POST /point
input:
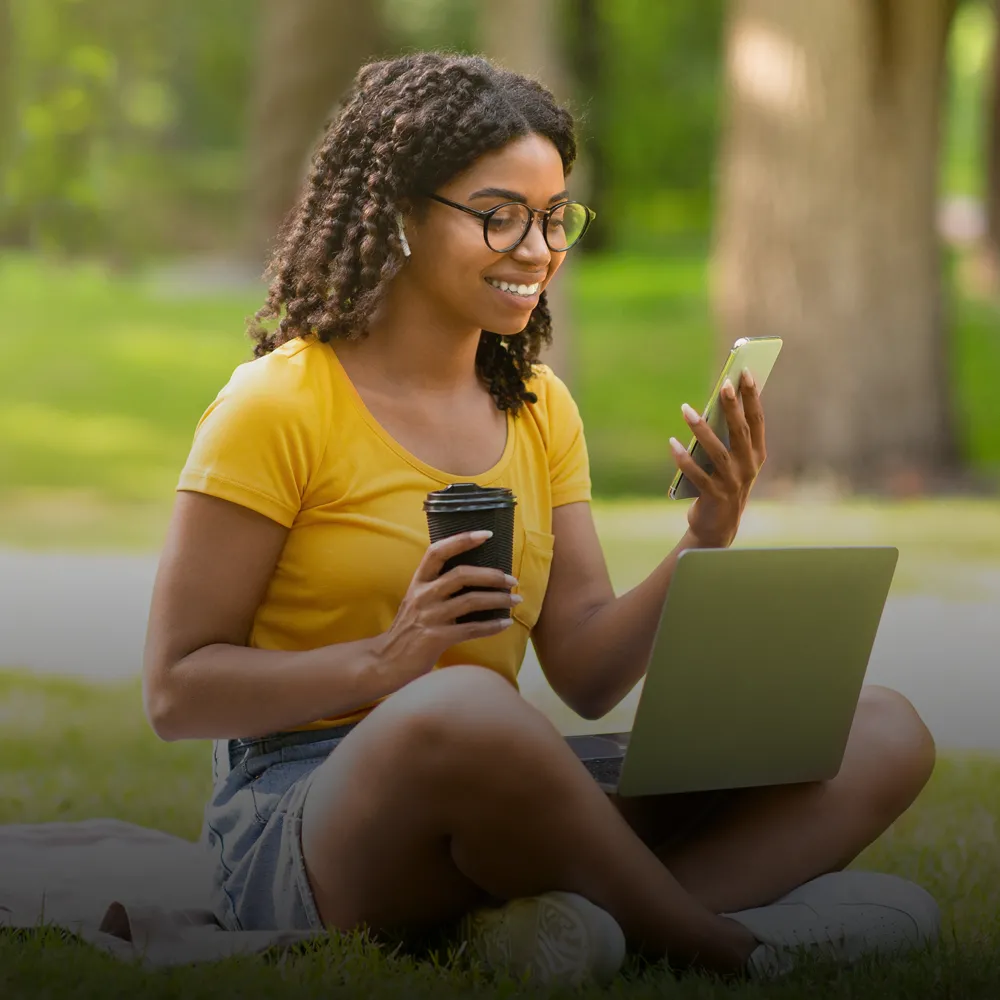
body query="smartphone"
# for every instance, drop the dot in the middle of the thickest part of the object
(759, 355)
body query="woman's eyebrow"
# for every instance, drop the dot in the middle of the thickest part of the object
(511, 195)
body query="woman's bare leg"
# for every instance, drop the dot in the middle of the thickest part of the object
(456, 790)
(767, 841)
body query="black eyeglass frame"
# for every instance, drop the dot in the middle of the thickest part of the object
(546, 214)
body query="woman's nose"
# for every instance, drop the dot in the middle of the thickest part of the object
(533, 249)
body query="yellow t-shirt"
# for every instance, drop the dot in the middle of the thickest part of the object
(290, 437)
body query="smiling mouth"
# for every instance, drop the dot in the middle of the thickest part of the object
(520, 291)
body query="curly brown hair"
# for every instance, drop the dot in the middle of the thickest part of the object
(406, 126)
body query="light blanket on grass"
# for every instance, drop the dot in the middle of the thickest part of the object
(138, 894)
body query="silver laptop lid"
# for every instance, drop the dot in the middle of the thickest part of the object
(757, 667)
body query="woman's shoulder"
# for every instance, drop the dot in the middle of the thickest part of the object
(554, 396)
(285, 391)
(290, 384)
(293, 372)
(263, 437)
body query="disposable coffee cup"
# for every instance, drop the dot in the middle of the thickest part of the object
(464, 507)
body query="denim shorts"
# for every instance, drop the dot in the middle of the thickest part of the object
(252, 828)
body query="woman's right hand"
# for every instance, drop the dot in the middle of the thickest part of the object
(425, 624)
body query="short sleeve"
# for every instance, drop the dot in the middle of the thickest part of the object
(257, 443)
(569, 461)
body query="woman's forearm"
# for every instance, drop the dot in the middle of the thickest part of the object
(611, 649)
(226, 691)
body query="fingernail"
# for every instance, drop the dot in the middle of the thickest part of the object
(516, 598)
(504, 622)
(690, 414)
(748, 378)
(679, 449)
(511, 580)
(727, 390)
(481, 534)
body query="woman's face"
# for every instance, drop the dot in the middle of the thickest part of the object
(450, 259)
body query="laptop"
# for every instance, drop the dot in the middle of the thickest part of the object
(755, 674)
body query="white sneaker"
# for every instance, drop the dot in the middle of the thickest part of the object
(559, 937)
(844, 916)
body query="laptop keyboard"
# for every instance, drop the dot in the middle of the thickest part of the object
(606, 770)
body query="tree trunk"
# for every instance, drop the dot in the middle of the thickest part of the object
(521, 35)
(826, 232)
(308, 54)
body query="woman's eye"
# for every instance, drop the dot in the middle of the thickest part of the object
(509, 219)
(501, 221)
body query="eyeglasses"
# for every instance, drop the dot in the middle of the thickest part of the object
(506, 225)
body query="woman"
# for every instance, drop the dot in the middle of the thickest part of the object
(297, 598)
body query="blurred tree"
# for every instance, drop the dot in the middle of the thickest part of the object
(661, 86)
(130, 134)
(431, 24)
(525, 36)
(111, 148)
(826, 232)
(7, 112)
(308, 53)
(587, 40)
(65, 79)
(992, 172)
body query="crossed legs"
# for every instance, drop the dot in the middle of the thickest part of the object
(759, 843)
(455, 792)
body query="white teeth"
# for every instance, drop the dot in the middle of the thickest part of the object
(506, 286)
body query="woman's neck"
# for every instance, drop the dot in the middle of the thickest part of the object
(411, 347)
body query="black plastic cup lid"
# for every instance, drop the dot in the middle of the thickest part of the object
(468, 496)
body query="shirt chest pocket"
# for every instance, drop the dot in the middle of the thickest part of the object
(533, 575)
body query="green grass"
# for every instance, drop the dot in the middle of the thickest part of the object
(947, 548)
(976, 362)
(645, 345)
(73, 751)
(103, 381)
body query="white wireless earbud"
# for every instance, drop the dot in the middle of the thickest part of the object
(402, 234)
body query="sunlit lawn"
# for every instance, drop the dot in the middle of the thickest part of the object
(103, 381)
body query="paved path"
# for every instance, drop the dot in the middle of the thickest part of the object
(85, 615)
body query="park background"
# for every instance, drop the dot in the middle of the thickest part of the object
(829, 172)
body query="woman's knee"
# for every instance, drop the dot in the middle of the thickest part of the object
(425, 740)
(899, 748)
(455, 718)
(455, 703)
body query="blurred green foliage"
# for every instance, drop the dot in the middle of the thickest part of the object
(128, 124)
(127, 120)
(970, 49)
(129, 133)
(663, 96)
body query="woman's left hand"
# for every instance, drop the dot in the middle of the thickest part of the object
(715, 516)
